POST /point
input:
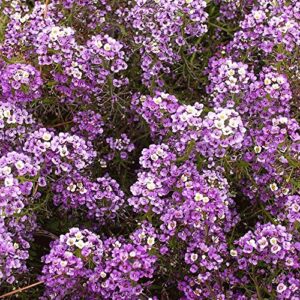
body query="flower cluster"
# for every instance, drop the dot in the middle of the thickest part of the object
(150, 149)
(109, 268)
(222, 128)
(15, 124)
(101, 199)
(161, 28)
(20, 83)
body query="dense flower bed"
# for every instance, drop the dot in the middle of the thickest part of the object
(150, 149)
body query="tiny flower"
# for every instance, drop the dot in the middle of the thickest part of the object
(205, 199)
(172, 225)
(263, 243)
(132, 254)
(63, 151)
(80, 244)
(295, 207)
(257, 149)
(273, 241)
(275, 249)
(78, 235)
(184, 178)
(6, 113)
(285, 191)
(157, 100)
(98, 43)
(151, 186)
(71, 187)
(194, 257)
(233, 253)
(107, 47)
(8, 181)
(198, 197)
(154, 157)
(150, 241)
(6, 170)
(230, 72)
(63, 263)
(281, 288)
(273, 187)
(71, 241)
(289, 262)
(19, 165)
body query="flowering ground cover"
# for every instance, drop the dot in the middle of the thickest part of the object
(150, 149)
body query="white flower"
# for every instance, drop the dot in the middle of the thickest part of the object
(80, 244)
(103, 274)
(219, 124)
(233, 253)
(263, 243)
(242, 71)
(198, 197)
(55, 32)
(295, 207)
(257, 15)
(6, 113)
(281, 288)
(76, 73)
(283, 120)
(273, 187)
(63, 263)
(9, 181)
(230, 72)
(68, 254)
(267, 81)
(280, 80)
(71, 187)
(227, 130)
(172, 225)
(19, 165)
(157, 100)
(252, 243)
(257, 149)
(205, 199)
(71, 241)
(143, 98)
(189, 184)
(150, 241)
(273, 241)
(151, 186)
(6, 170)
(160, 152)
(285, 191)
(154, 157)
(82, 190)
(194, 257)
(16, 246)
(63, 151)
(132, 254)
(98, 44)
(275, 249)
(234, 123)
(46, 136)
(184, 178)
(78, 235)
(107, 47)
